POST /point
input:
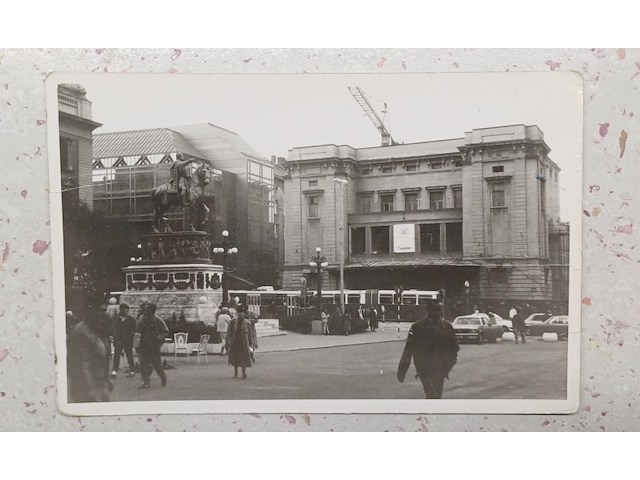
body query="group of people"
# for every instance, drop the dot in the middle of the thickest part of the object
(517, 323)
(90, 369)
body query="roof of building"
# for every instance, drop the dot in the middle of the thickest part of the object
(414, 262)
(141, 142)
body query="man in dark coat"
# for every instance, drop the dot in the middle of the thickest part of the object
(433, 346)
(519, 327)
(124, 328)
(89, 355)
(151, 332)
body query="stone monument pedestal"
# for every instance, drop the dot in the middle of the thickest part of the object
(177, 275)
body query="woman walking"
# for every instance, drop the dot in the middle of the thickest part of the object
(239, 343)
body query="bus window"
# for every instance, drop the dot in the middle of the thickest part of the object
(424, 299)
(353, 298)
(409, 299)
(330, 298)
(386, 299)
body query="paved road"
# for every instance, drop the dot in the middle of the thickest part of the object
(535, 370)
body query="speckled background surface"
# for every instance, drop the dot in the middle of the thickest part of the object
(610, 382)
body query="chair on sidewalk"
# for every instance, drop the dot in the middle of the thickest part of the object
(181, 345)
(201, 349)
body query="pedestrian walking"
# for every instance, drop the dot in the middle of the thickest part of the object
(150, 335)
(325, 322)
(239, 343)
(222, 326)
(88, 358)
(512, 312)
(432, 345)
(519, 327)
(123, 330)
(373, 319)
(346, 323)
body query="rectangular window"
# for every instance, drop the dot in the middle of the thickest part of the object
(436, 164)
(358, 245)
(313, 183)
(69, 153)
(410, 201)
(457, 198)
(498, 275)
(364, 203)
(436, 199)
(497, 169)
(411, 167)
(379, 240)
(387, 169)
(386, 299)
(430, 238)
(365, 171)
(498, 198)
(387, 202)
(454, 237)
(314, 207)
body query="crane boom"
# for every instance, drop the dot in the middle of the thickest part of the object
(362, 100)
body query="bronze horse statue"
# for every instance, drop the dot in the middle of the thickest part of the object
(165, 196)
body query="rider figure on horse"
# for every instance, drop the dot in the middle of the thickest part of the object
(180, 177)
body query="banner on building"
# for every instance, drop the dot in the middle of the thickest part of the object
(404, 238)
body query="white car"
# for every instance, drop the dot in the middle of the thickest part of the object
(495, 319)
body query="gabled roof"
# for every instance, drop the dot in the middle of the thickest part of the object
(141, 142)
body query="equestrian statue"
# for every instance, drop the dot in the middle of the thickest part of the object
(184, 191)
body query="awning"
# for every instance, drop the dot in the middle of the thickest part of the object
(416, 262)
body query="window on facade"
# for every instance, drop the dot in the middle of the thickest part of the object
(313, 183)
(68, 153)
(457, 198)
(365, 171)
(454, 237)
(430, 237)
(498, 198)
(387, 202)
(498, 275)
(364, 203)
(358, 246)
(436, 199)
(411, 167)
(379, 240)
(387, 169)
(436, 164)
(410, 201)
(497, 169)
(314, 207)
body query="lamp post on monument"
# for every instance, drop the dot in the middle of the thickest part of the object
(340, 203)
(225, 249)
(319, 263)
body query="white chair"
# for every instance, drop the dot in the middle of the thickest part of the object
(181, 345)
(201, 349)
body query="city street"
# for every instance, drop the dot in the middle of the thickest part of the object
(359, 366)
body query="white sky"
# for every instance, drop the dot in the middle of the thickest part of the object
(275, 113)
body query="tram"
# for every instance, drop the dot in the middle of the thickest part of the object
(412, 305)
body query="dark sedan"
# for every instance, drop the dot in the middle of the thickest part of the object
(557, 324)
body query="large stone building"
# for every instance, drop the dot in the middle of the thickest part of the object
(430, 215)
(76, 126)
(127, 166)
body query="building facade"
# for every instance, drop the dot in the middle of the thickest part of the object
(429, 215)
(127, 166)
(76, 126)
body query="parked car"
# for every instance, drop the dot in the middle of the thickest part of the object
(535, 318)
(556, 324)
(495, 319)
(476, 327)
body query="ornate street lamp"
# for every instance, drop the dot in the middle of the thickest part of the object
(466, 294)
(225, 249)
(319, 262)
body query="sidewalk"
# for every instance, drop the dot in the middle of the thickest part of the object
(296, 341)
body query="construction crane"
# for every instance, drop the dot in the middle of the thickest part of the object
(362, 100)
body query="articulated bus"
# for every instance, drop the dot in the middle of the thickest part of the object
(287, 302)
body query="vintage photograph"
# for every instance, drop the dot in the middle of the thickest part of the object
(375, 243)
